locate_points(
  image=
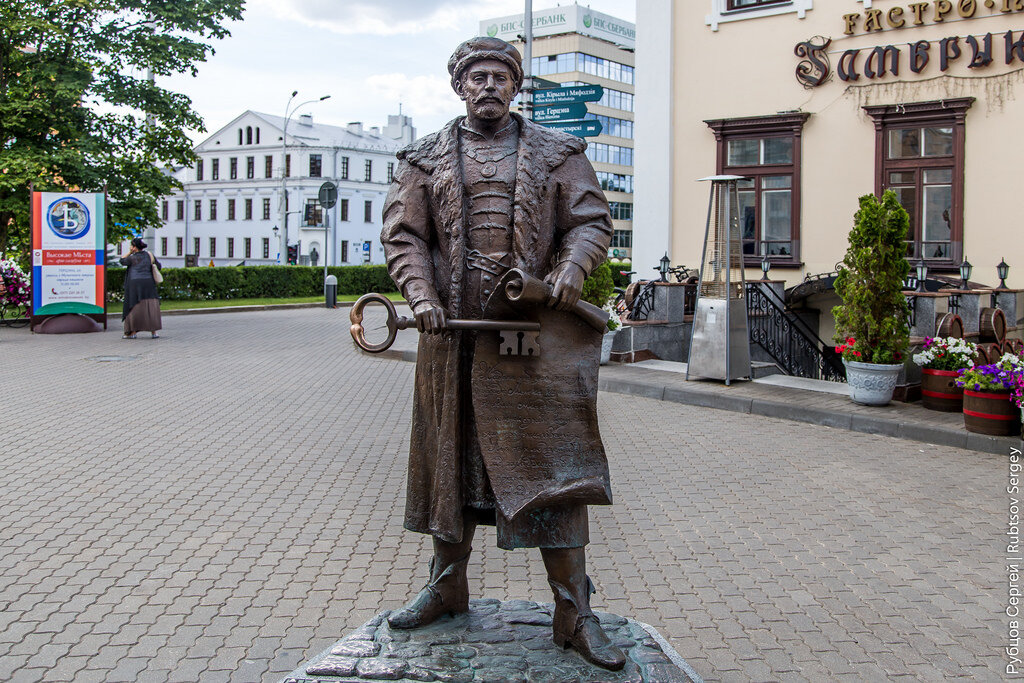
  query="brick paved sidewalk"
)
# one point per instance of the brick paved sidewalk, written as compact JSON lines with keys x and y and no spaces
{"x":228,"y":503}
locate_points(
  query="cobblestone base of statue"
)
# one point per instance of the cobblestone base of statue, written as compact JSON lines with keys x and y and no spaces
{"x":497,"y":642}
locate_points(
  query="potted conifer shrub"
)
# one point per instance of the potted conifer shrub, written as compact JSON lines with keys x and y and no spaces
{"x":871,"y":324}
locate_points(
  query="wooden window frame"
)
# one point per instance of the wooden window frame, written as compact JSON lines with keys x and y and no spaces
{"x":759,"y":127}
{"x":730,"y":5}
{"x":932,"y":114}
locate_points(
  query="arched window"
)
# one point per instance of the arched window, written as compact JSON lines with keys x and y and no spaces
{"x":239,"y":136}
{"x":257,"y":135}
{"x":248,"y":135}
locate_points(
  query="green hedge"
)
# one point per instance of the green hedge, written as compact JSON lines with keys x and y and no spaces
{"x":255,"y":282}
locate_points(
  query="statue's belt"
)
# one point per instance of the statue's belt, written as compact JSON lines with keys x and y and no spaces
{"x":475,"y":259}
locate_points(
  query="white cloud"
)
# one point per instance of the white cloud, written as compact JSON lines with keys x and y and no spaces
{"x":421,"y":96}
{"x":393,"y":17}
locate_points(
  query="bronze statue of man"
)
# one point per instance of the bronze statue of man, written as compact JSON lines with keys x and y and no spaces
{"x":488,"y":193}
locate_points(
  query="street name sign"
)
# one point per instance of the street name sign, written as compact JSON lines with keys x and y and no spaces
{"x":581,"y":129}
{"x":573,"y":93}
{"x":560,"y":112}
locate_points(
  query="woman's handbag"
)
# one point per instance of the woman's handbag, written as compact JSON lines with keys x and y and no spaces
{"x":157,"y":276}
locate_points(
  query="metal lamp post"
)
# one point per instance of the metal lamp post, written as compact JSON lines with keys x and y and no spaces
{"x":1002,"y":270}
{"x":922,"y":275}
{"x":965,"y":273}
{"x":289,"y":112}
{"x":663,"y":266}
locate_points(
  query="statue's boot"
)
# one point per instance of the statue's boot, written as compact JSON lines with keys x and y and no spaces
{"x":447,"y":592}
{"x":574,"y":623}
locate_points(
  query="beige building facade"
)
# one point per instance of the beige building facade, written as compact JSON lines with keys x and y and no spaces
{"x":818,"y":103}
{"x":574,"y":45}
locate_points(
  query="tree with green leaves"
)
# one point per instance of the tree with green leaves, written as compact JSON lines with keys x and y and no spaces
{"x":79,"y":112}
{"x":870,"y":283}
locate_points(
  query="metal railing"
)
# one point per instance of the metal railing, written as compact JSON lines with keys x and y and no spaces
{"x":790,"y":342}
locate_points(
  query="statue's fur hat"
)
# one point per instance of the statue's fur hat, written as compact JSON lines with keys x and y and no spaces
{"x":475,"y":49}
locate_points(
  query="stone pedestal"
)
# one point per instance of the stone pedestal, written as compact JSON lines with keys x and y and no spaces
{"x":669,"y":302}
{"x":1007,"y":300}
{"x":924,"y":306}
{"x":968,"y":304}
{"x":494,"y":642}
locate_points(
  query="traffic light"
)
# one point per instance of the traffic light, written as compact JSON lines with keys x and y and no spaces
{"x":293,"y":254}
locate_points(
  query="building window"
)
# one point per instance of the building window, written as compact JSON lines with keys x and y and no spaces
{"x":736,"y":10}
{"x":578,"y":61}
{"x":919,"y":154}
{"x":239,"y":136}
{"x":621,"y":211}
{"x":266,"y":208}
{"x":391,"y":171}
{"x":620,"y":128}
{"x":344,"y":251}
{"x":163,"y":246}
{"x":248,"y":137}
{"x":180,"y":210}
{"x":610,"y":154}
{"x":257,"y":135}
{"x":165,"y":210}
{"x":368,"y":211}
{"x":733,"y":5}
{"x":213,"y":209}
{"x":369,"y":170}
{"x":248,"y":246}
{"x":215,"y":169}
{"x":248,"y":210}
{"x":266,"y":247}
{"x":195,"y":245}
{"x":199,"y":169}
{"x":233,"y":168}
{"x":231,"y":247}
{"x":231,"y":209}
{"x":615,"y":182}
{"x":213,"y":247}
{"x":288,"y":165}
{"x":250,"y":167}
{"x":179,"y":244}
{"x":315,"y":165}
{"x":622,"y":239}
{"x":198,"y":215}
{"x":344,"y":168}
{"x":313,"y":214}
{"x":268,"y":167}
{"x":766,"y":151}
{"x":343,"y":211}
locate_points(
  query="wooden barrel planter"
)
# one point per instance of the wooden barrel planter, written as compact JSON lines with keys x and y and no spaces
{"x":993,"y":351}
{"x":1016,"y":346}
{"x":940,"y":392}
{"x":992,"y":325}
{"x":949,"y":325}
{"x":991,"y":412}
{"x":981,"y":355}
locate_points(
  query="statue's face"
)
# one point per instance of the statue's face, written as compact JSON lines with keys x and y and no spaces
{"x":488,"y":88}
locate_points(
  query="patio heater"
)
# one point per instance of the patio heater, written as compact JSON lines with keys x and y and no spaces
{"x":720,"y":338}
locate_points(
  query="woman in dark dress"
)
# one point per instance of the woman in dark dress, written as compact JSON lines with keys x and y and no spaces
{"x":141,"y":312}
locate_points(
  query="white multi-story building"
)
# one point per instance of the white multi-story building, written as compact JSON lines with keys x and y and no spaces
{"x":229,"y":209}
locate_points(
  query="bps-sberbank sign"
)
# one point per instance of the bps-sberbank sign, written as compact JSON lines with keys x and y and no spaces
{"x":571,"y":19}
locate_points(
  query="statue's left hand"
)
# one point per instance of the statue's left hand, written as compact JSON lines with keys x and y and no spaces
{"x":566,"y":282}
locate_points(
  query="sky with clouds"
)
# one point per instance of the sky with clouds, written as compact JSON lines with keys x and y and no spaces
{"x":368,"y":55}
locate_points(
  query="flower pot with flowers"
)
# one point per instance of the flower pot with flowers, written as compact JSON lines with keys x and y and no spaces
{"x":15,"y":292}
{"x":941,"y":361}
{"x":871,"y":323}
{"x":1017,"y":396}
{"x":988,"y":408}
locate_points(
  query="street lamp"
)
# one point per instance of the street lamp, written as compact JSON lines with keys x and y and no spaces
{"x":965,"y":273}
{"x":663,"y":265}
{"x":1002,"y":270}
{"x":275,"y":231}
{"x":922,"y":275}
{"x":766,"y":265}
{"x":289,"y":112}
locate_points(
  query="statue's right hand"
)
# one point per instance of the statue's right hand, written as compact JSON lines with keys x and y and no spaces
{"x":430,"y":317}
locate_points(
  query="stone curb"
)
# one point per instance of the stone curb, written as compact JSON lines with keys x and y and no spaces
{"x":884,"y":426}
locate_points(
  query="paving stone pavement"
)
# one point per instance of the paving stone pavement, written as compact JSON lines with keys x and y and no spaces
{"x":225,"y":502}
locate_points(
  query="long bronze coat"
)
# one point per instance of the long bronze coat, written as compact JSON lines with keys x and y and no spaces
{"x":560,"y":214}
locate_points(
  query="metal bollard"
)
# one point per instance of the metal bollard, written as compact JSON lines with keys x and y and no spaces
{"x":331,"y":291}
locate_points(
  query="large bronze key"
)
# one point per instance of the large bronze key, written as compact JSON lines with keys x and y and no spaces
{"x":526,"y":346}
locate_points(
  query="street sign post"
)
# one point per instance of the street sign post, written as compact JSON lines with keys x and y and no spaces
{"x":560,"y":112}
{"x":581,"y":129}
{"x":574,"y":93}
